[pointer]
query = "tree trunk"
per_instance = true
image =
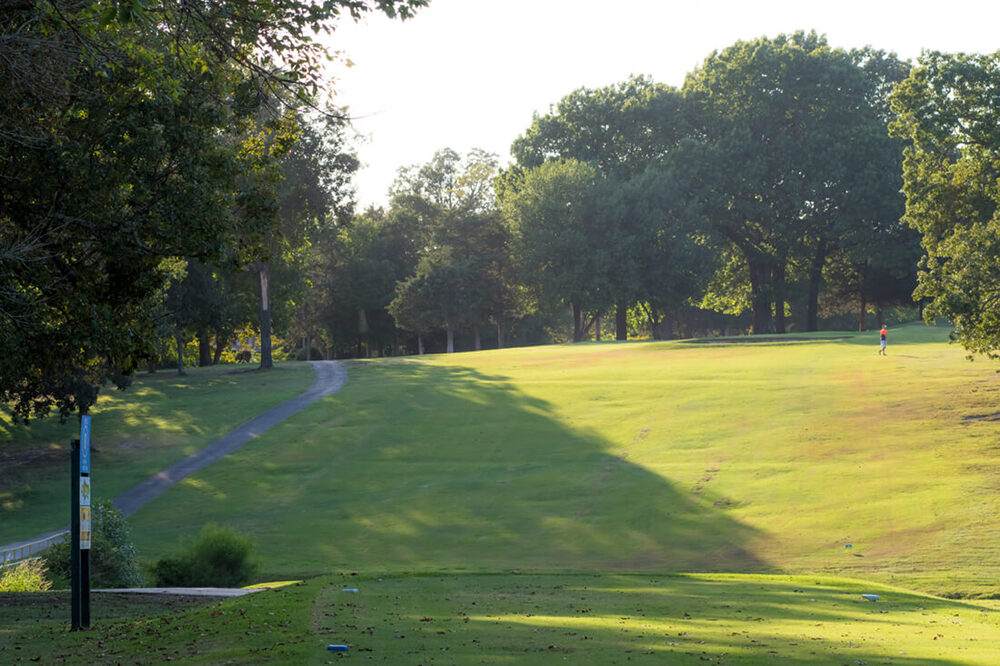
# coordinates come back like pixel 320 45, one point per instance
pixel 577 322
pixel 653 317
pixel 220 344
pixel 597 329
pixel 778 274
pixel 667 327
pixel 621 321
pixel 308 346
pixel 420 344
pixel 478 341
pixel 265 317
pixel 204 348
pixel 815 276
pixel 180 352
pixel 760 296
pixel 451 338
pixel 499 335
pixel 862 324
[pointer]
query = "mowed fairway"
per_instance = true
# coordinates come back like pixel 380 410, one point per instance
pixel 638 457
pixel 598 504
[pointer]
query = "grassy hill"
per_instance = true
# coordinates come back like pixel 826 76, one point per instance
pixel 639 457
pixel 596 503
pixel 157 421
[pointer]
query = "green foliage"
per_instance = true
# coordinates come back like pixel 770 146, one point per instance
pixel 25 576
pixel 791 162
pixel 112 555
pixel 948 109
pixel 132 131
pixel 218 557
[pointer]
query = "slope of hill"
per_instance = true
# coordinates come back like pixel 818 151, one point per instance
pixel 806 456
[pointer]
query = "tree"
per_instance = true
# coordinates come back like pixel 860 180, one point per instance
pixel 125 139
pixel 672 255
pixel 949 111
pixel 313 193
pixel 620 130
pixel 557 212
pixel 774 165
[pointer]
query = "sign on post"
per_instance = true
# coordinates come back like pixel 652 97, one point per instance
pixel 85 444
pixel 84 512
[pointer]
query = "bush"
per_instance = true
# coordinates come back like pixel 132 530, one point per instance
pixel 112 555
pixel 219 557
pixel 25 576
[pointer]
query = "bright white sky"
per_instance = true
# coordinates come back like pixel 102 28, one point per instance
pixel 470 73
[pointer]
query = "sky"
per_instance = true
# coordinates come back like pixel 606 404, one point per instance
pixel 466 74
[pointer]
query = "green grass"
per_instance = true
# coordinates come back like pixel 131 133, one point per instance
pixel 640 457
pixel 157 421
pixel 584 619
pixel 501 506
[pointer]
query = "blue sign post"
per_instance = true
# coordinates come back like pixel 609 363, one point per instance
pixel 80 527
pixel 85 444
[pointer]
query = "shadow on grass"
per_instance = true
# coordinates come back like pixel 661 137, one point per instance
pixel 420 467
pixel 603 619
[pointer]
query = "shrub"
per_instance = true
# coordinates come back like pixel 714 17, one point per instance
pixel 219 557
pixel 25 576
pixel 112 555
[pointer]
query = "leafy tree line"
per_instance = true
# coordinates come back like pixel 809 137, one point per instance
pixel 167 174
pixel 137 136
pixel 761 194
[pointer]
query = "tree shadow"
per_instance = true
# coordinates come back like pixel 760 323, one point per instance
pixel 648 619
pixel 416 466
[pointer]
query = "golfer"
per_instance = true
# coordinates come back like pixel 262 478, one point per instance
pixel 881 341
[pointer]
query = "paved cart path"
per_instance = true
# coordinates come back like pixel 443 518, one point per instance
pixel 330 378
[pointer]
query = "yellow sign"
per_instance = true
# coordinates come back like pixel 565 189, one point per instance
pixel 84 528
pixel 84 491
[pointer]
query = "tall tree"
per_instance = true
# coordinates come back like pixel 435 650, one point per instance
pixel 949 109
pixel 782 124
pixel 620 130
pixel 559 214
pixel 125 138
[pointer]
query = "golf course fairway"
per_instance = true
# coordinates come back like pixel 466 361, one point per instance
pixel 640 502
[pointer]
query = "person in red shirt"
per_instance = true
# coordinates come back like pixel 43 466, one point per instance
pixel 882 341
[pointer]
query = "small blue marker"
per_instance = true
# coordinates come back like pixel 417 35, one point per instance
pixel 349 589
pixel 337 648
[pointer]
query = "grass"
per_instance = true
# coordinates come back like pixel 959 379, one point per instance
pixel 644 457
pixel 160 419
pixel 501 506
pixel 519 619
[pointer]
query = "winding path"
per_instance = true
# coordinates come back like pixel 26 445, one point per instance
pixel 330 378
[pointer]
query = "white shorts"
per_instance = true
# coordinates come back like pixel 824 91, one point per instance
pixel 882 342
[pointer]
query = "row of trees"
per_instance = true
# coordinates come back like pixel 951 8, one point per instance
pixel 136 135
pixel 161 179
pixel 767 184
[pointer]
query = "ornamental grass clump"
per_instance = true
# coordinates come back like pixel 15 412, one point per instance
pixel 25 576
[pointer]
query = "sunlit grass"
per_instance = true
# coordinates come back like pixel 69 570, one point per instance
pixel 160 419
pixel 630 457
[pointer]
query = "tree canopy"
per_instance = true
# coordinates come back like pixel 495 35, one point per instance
pixel 949 110
pixel 132 132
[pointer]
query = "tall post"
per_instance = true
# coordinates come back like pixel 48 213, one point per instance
pixel 86 530
pixel 80 528
pixel 74 542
